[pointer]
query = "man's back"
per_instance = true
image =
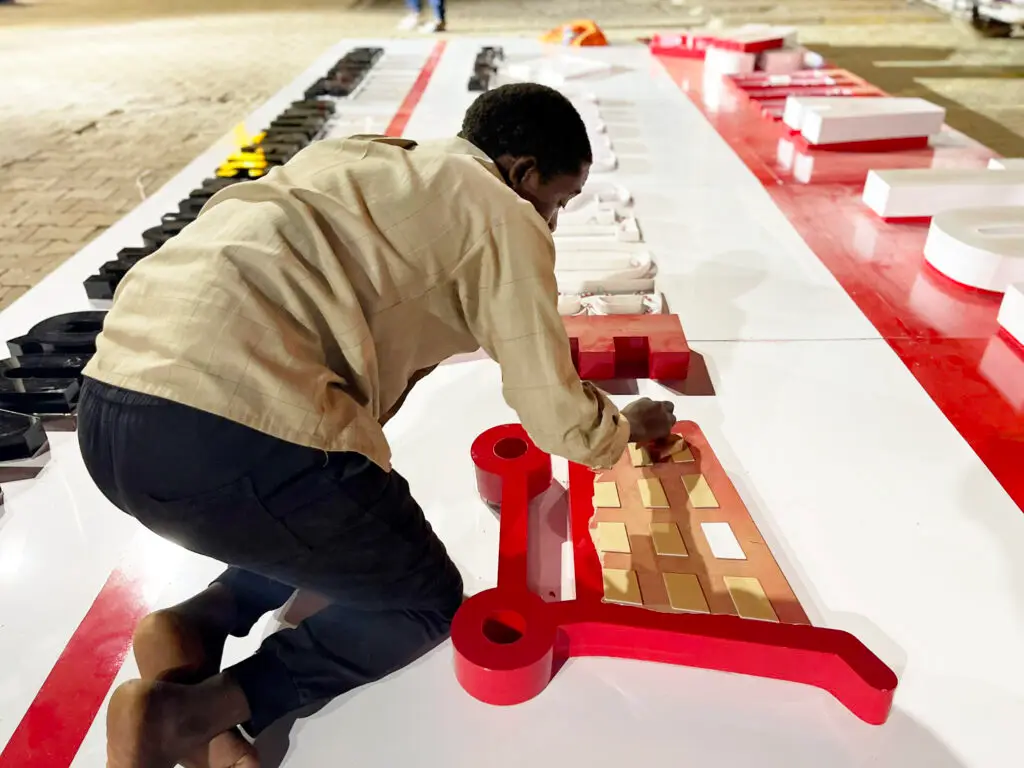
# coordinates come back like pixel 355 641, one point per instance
pixel 300 305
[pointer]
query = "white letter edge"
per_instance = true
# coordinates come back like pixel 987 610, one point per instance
pixel 981 248
pixel 1011 314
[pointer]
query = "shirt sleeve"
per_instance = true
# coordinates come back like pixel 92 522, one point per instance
pixel 509 299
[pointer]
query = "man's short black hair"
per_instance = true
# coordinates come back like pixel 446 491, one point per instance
pixel 529 120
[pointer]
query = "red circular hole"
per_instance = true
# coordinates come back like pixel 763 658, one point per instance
pixel 510 448
pixel 504 627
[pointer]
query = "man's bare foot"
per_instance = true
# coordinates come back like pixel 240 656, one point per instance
pixel 174 645
pixel 152 724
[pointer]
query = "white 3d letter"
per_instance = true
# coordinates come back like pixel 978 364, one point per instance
pixel 979 247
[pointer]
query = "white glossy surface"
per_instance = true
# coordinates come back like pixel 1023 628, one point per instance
pixel 978 247
pixel 917 192
pixel 1011 312
pixel 883 518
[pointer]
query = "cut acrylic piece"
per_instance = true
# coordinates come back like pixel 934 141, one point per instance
pixel 606 494
pixel 667 540
pixel 622 587
pixel 616 304
pixel 582 267
pixel 612 537
pixel 638 456
pixel 604 162
pixel 684 592
pixel 555 71
pixel 601 194
pixel 701 496
pixel 652 493
pixel 624 231
pixel 723 542
pixel 590 215
pixel 570 304
pixel 749 598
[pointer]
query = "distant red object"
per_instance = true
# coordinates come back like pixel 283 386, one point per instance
pixel 693 45
pixel 507 639
pixel 628 347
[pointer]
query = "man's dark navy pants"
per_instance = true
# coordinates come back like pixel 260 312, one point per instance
pixel 282 517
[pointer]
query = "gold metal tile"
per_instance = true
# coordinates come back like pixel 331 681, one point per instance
pixel 639 457
pixel 749 598
pixel 667 539
pixel 699 491
pixel 651 493
pixel 684 593
pixel 606 494
pixel 612 537
pixel 622 587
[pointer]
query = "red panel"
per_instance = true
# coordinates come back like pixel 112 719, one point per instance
pixel 628 347
pixel 506 639
pixel 873 145
pixel 51 732
pixel 939 330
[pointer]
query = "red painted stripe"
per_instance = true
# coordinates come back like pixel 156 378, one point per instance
pixel 52 730
pixel 61 714
pixel 945 334
pixel 401 119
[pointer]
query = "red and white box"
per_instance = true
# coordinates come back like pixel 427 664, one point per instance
pixel 752 38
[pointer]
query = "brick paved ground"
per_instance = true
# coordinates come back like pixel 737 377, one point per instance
pixel 104 100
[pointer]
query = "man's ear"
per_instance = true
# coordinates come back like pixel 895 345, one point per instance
pixel 522 172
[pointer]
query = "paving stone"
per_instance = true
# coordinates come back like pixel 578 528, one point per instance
pixel 101 97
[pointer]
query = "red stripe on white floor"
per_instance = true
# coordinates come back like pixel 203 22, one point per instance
pixel 401 119
pixel 61 714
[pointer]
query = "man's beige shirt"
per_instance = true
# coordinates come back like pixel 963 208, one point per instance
pixel 300 305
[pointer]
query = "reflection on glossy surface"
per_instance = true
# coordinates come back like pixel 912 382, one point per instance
pixel 939 329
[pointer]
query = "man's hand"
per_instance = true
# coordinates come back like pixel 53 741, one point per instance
pixel 649 420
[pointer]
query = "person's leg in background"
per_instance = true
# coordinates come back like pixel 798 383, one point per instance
pixel 440 20
pixel 341 527
pixel 412 20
